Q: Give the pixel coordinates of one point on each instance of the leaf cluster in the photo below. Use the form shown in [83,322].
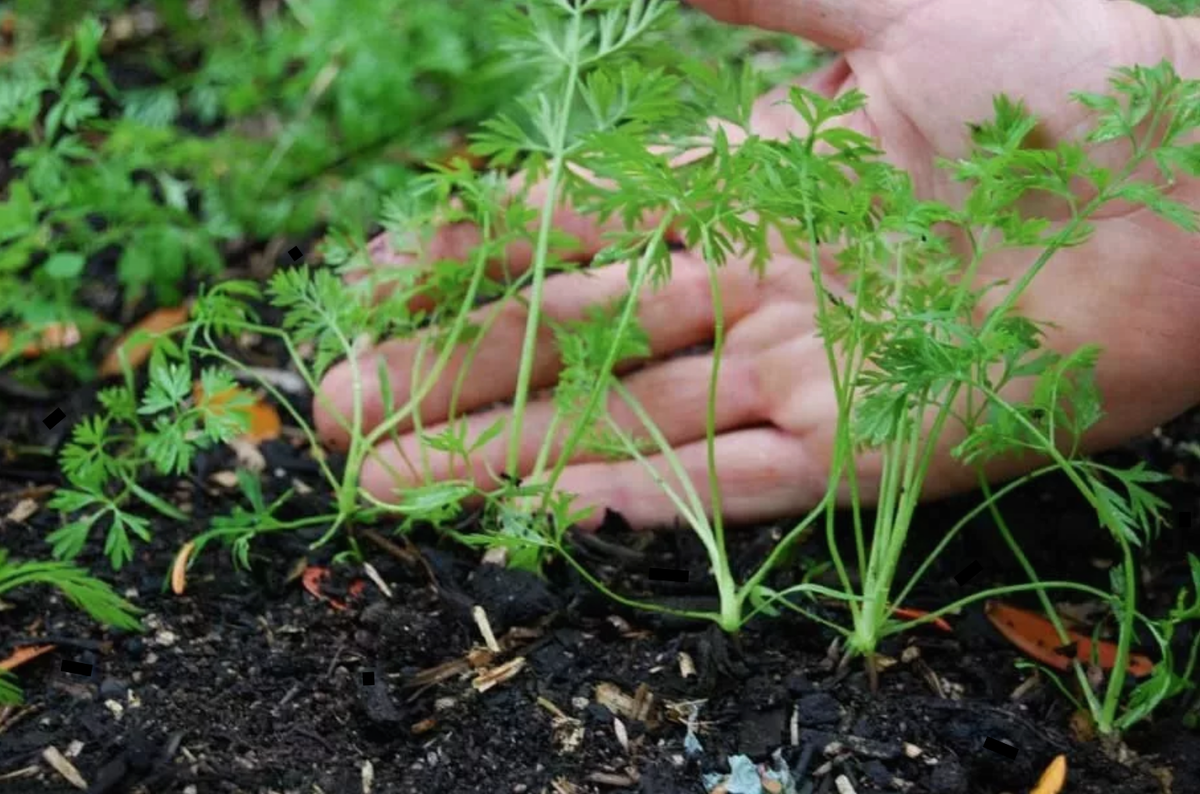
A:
[110,455]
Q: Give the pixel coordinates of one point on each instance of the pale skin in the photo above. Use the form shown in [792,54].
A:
[927,68]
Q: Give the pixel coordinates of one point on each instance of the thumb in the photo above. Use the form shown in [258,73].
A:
[838,25]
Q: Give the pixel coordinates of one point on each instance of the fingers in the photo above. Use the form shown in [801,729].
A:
[675,316]
[673,393]
[763,474]
[456,241]
[834,24]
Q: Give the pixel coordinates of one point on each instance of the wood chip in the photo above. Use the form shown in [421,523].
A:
[843,785]
[643,700]
[622,733]
[613,779]
[1026,686]
[480,657]
[54,336]
[22,655]
[64,767]
[224,478]
[368,777]
[498,675]
[563,786]
[485,628]
[439,673]
[424,726]
[374,576]
[179,568]
[248,455]
[614,699]
[28,771]
[496,555]
[687,668]
[1054,778]
[22,511]
[282,379]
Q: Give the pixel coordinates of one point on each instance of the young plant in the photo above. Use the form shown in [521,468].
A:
[110,454]
[89,594]
[912,349]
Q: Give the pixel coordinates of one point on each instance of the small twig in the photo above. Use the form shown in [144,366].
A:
[291,693]
[337,653]
[592,543]
[485,628]
[30,492]
[11,715]
[303,731]
[404,555]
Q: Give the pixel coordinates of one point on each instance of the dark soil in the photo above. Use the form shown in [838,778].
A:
[250,684]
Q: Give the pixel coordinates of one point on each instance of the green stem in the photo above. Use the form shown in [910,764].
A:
[542,250]
[599,389]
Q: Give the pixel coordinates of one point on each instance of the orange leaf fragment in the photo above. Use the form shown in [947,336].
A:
[156,322]
[265,423]
[179,568]
[24,654]
[311,579]
[1054,778]
[1036,637]
[913,614]
[54,336]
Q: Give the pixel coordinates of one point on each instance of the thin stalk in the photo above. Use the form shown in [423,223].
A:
[962,523]
[385,427]
[966,601]
[843,445]
[730,606]
[1116,681]
[730,618]
[1113,692]
[598,390]
[693,514]
[542,249]
[1047,605]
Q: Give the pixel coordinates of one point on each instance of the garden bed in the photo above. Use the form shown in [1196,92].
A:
[402,661]
[248,682]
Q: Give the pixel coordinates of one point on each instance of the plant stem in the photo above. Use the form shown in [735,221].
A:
[542,247]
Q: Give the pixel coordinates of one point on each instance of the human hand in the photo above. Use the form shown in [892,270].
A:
[927,67]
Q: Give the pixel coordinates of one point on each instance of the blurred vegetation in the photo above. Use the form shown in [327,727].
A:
[147,145]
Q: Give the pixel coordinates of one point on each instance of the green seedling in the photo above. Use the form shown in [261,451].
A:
[911,350]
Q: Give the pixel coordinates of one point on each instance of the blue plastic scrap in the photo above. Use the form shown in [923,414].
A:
[744,777]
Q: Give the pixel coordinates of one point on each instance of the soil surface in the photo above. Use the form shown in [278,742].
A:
[249,683]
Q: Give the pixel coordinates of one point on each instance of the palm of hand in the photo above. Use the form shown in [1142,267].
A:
[1129,289]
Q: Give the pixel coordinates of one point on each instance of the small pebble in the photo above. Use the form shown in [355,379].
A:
[113,689]
[818,708]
